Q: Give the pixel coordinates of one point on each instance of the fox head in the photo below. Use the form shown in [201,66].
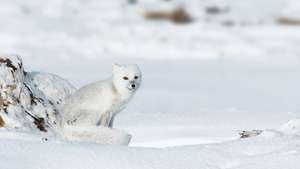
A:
[126,77]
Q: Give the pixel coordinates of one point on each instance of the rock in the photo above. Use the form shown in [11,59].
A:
[23,104]
[177,15]
[55,88]
[250,133]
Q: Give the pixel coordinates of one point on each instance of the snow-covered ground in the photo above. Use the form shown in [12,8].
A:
[202,82]
[274,149]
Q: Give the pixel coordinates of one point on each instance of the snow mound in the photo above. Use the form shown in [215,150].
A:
[291,126]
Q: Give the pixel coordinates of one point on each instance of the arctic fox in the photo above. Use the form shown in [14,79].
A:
[98,103]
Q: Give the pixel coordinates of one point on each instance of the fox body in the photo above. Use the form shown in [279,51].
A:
[98,103]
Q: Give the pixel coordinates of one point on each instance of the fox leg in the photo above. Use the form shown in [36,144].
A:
[105,119]
[111,122]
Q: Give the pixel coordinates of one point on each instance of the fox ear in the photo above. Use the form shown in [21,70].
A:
[116,66]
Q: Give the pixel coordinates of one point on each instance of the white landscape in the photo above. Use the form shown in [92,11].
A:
[203,82]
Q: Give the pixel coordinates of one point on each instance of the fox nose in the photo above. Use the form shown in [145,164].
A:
[133,86]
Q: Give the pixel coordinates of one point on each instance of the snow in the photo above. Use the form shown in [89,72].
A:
[54,87]
[203,82]
[265,151]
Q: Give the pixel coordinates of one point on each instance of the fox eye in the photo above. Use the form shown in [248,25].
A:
[136,77]
[125,78]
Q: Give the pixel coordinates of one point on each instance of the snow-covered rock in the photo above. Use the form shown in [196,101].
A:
[25,99]
[55,88]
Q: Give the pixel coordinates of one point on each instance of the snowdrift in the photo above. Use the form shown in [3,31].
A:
[274,149]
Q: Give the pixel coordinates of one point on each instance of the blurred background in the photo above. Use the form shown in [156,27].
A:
[211,65]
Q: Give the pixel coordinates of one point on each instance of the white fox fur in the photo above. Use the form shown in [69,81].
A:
[98,103]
